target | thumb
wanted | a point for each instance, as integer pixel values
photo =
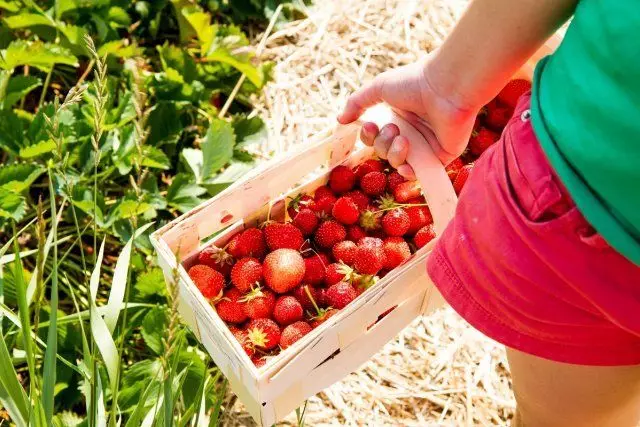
(360, 100)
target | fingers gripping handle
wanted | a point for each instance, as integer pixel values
(430, 172)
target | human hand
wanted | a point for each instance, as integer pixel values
(412, 94)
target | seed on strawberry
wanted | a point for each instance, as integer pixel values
(393, 180)
(407, 191)
(498, 117)
(374, 183)
(359, 198)
(344, 251)
(424, 236)
(243, 339)
(280, 236)
(230, 308)
(329, 233)
(369, 256)
(324, 204)
(323, 317)
(396, 222)
(419, 216)
(462, 177)
(370, 219)
(245, 273)
(396, 251)
(251, 243)
(258, 303)
(232, 246)
(216, 258)
(306, 220)
(300, 293)
(323, 191)
(346, 211)
(510, 94)
(293, 333)
(208, 281)
(367, 166)
(342, 179)
(315, 267)
(297, 203)
(341, 294)
(283, 270)
(263, 333)
(287, 310)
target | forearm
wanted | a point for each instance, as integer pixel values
(491, 41)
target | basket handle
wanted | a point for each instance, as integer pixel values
(429, 170)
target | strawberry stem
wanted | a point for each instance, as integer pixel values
(313, 301)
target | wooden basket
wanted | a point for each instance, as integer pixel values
(350, 338)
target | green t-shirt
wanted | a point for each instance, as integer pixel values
(586, 113)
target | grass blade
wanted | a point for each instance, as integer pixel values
(12, 395)
(135, 419)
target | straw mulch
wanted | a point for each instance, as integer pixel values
(438, 371)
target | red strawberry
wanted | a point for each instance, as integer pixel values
(300, 293)
(329, 233)
(482, 140)
(306, 220)
(216, 258)
(259, 303)
(259, 361)
(346, 211)
(396, 222)
(232, 246)
(355, 233)
(419, 216)
(396, 251)
(323, 191)
(287, 310)
(263, 333)
(315, 267)
(280, 236)
(374, 183)
(393, 180)
(297, 203)
(323, 317)
(344, 251)
(246, 273)
(455, 165)
(367, 166)
(251, 243)
(424, 236)
(340, 294)
(209, 281)
(283, 270)
(243, 339)
(338, 272)
(359, 198)
(462, 177)
(498, 117)
(230, 308)
(370, 219)
(513, 91)
(342, 179)
(407, 191)
(293, 333)
(324, 204)
(369, 256)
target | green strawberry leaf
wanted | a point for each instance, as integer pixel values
(18, 177)
(37, 149)
(217, 148)
(35, 54)
(183, 194)
(249, 131)
(12, 204)
(17, 88)
(153, 157)
(153, 329)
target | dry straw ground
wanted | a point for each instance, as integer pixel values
(438, 371)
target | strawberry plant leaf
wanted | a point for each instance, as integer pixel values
(18, 87)
(217, 147)
(235, 171)
(35, 54)
(10, 6)
(12, 204)
(150, 284)
(183, 194)
(164, 123)
(11, 129)
(18, 177)
(154, 325)
(28, 20)
(178, 59)
(37, 149)
(153, 157)
(249, 130)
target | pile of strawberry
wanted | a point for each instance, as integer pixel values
(275, 283)
(488, 127)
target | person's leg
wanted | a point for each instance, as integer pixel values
(559, 394)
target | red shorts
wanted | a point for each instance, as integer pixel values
(522, 265)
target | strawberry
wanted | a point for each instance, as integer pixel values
(297, 203)
(355, 233)
(498, 117)
(359, 198)
(340, 294)
(374, 183)
(259, 303)
(341, 179)
(243, 339)
(406, 191)
(280, 236)
(232, 246)
(482, 140)
(344, 251)
(306, 220)
(283, 270)
(462, 177)
(323, 317)
(259, 361)
(346, 211)
(300, 293)
(321, 298)
(208, 281)
(293, 333)
(455, 165)
(424, 236)
(393, 180)
(396, 251)
(396, 222)
(245, 273)
(419, 216)
(315, 267)
(338, 272)
(230, 308)
(263, 333)
(324, 204)
(510, 94)
(323, 191)
(369, 256)
(287, 310)
(367, 166)
(370, 219)
(329, 233)
(216, 258)
(251, 243)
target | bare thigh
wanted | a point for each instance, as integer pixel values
(559, 394)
